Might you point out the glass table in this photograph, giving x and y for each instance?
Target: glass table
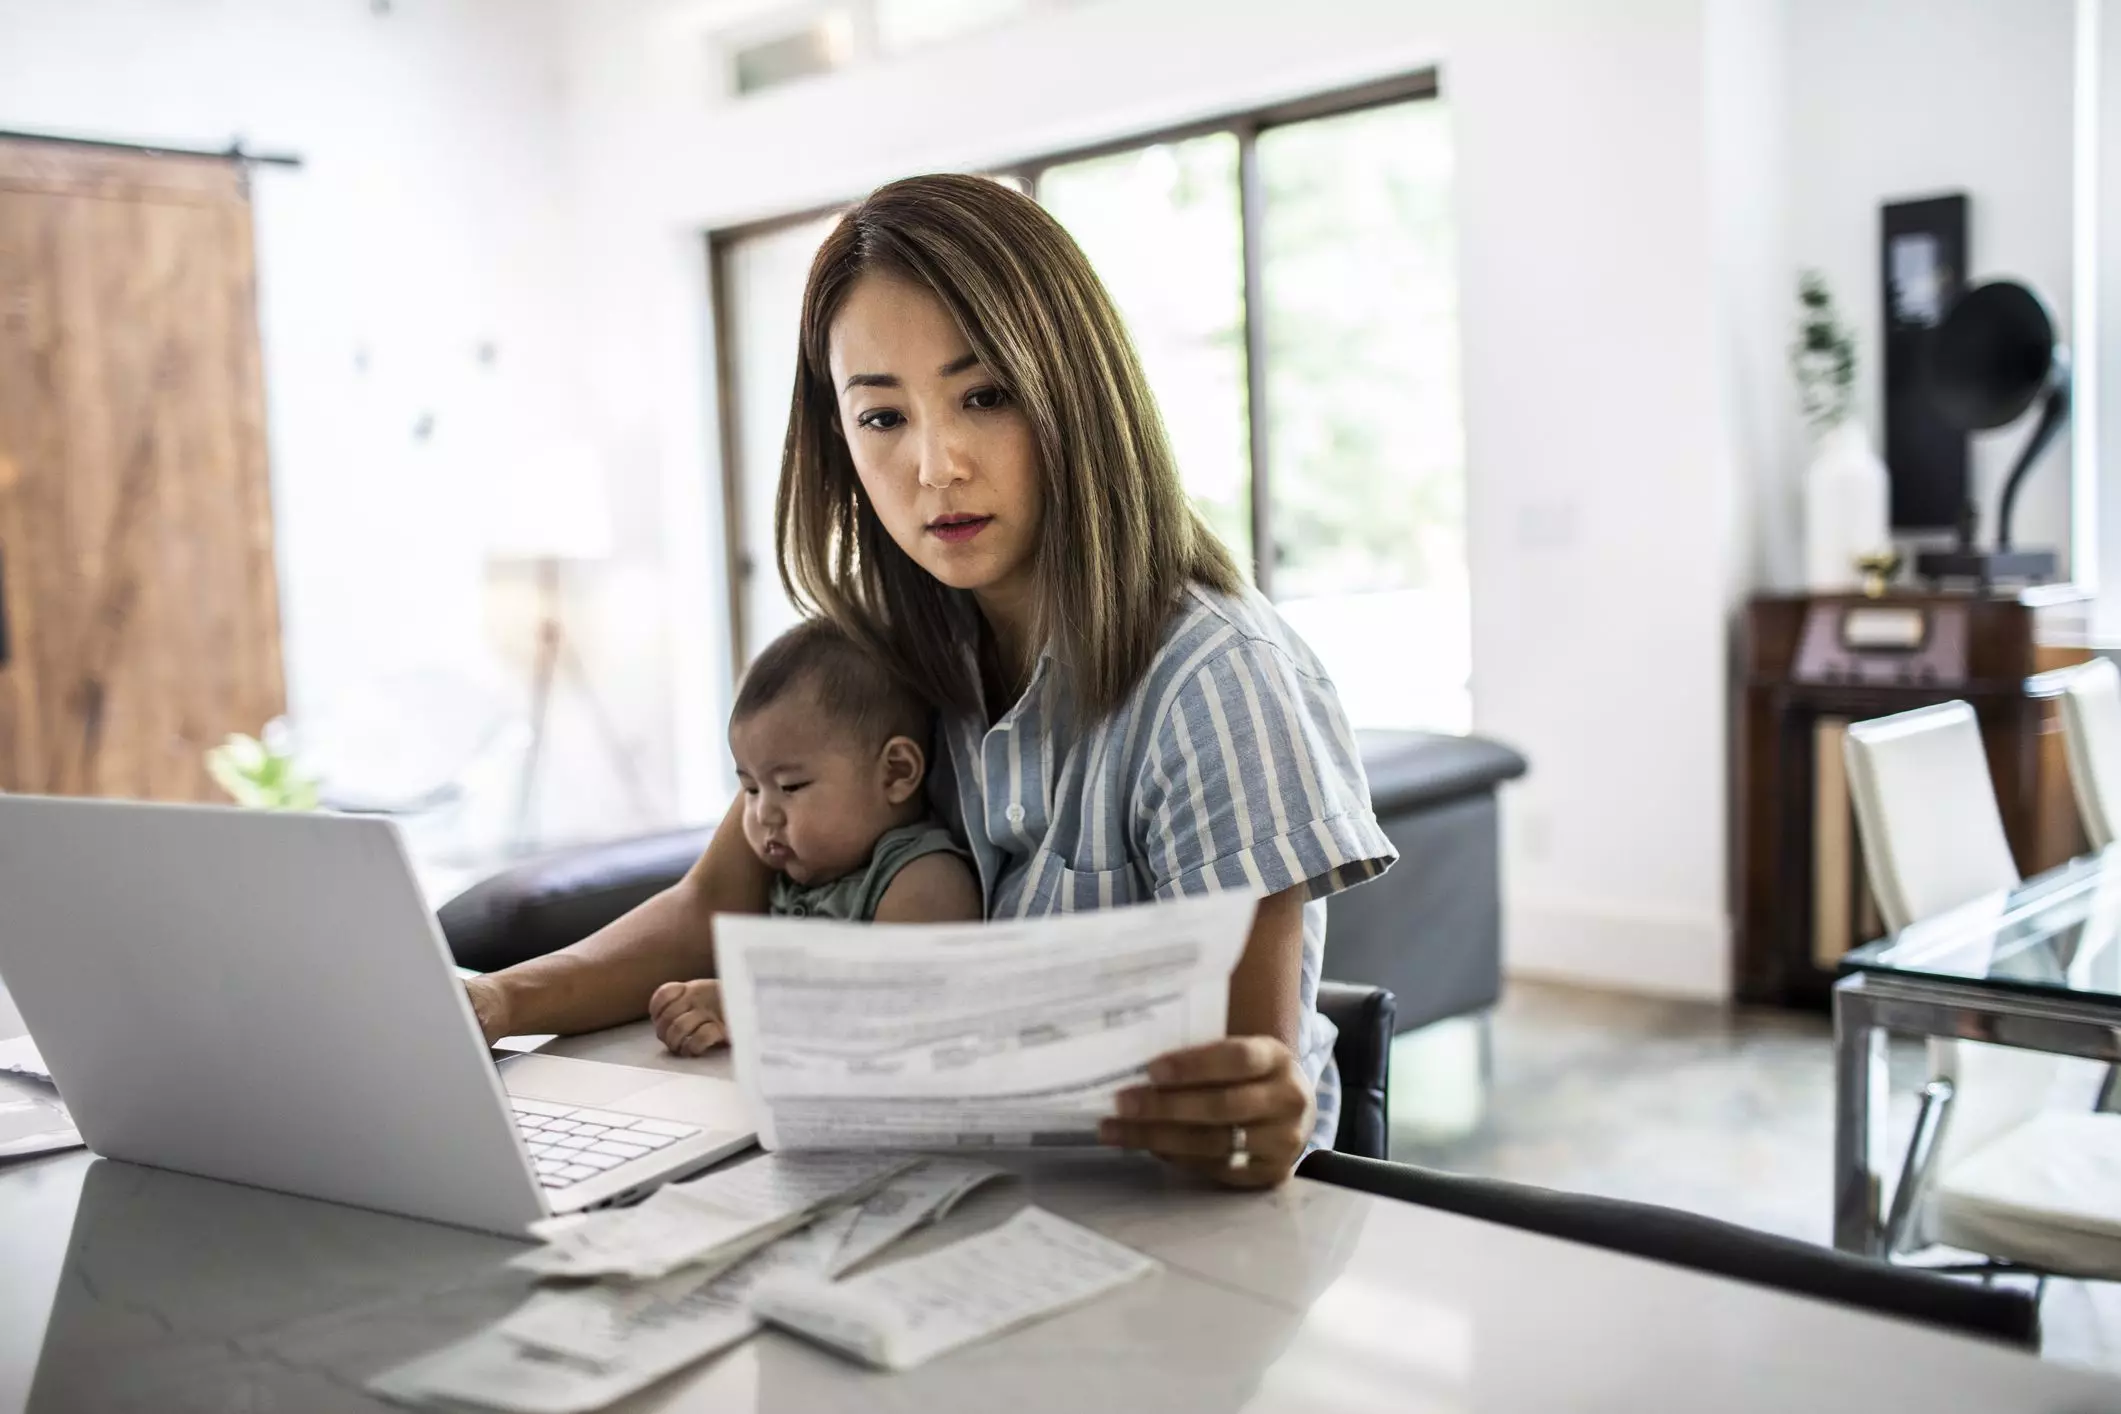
(2037, 967)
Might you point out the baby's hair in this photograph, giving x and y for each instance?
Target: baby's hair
(857, 692)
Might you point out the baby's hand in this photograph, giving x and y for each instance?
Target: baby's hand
(688, 1016)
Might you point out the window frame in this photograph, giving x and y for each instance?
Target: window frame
(1245, 125)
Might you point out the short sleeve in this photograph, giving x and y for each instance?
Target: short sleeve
(1252, 781)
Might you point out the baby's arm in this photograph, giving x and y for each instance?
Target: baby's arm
(936, 888)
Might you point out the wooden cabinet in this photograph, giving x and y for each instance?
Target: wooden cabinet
(1810, 665)
(139, 592)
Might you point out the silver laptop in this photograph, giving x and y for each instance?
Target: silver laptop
(266, 998)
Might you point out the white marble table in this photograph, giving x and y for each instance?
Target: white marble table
(125, 1288)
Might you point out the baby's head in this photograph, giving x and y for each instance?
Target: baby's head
(831, 751)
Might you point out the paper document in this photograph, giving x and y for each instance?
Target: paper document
(581, 1348)
(34, 1124)
(912, 1200)
(856, 1036)
(719, 1217)
(18, 1056)
(565, 1352)
(907, 1313)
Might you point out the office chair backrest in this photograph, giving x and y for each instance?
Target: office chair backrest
(1933, 841)
(2091, 731)
(1926, 811)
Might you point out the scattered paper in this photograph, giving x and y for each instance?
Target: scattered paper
(850, 1036)
(711, 1220)
(32, 1124)
(491, 1371)
(18, 1056)
(568, 1351)
(579, 1348)
(613, 1325)
(912, 1200)
(906, 1314)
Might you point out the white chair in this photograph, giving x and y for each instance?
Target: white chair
(2091, 730)
(1995, 1168)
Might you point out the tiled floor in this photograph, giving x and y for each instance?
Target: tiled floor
(1681, 1103)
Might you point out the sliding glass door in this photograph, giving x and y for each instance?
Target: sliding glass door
(1347, 331)
(1157, 222)
(1366, 461)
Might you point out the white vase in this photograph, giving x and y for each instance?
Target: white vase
(1847, 504)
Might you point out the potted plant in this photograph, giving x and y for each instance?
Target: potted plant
(1846, 493)
(262, 775)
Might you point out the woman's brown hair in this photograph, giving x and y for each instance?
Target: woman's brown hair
(1119, 540)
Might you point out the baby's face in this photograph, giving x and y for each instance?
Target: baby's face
(815, 801)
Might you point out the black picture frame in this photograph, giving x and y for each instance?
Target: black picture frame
(1922, 265)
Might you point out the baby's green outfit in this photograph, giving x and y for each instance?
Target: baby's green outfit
(854, 897)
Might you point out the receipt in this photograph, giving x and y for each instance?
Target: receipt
(617, 1325)
(32, 1124)
(902, 1315)
(579, 1348)
(491, 1371)
(855, 1036)
(18, 1056)
(912, 1200)
(710, 1220)
(567, 1351)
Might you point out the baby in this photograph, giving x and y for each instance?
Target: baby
(831, 751)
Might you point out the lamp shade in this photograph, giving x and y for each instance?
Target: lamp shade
(551, 503)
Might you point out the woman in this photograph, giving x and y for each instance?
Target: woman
(977, 486)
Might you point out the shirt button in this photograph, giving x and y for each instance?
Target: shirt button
(796, 910)
(1014, 814)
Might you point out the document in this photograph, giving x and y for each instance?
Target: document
(912, 1200)
(18, 1056)
(907, 1313)
(614, 1325)
(581, 1348)
(34, 1124)
(568, 1351)
(717, 1218)
(858, 1036)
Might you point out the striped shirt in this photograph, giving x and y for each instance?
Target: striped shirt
(1230, 766)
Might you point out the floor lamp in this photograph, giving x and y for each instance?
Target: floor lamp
(557, 514)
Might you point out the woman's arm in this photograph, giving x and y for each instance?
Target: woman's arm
(1196, 1098)
(607, 978)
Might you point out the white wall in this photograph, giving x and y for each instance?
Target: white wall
(1906, 98)
(1604, 484)
(427, 219)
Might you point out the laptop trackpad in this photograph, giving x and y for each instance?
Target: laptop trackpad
(707, 1101)
(559, 1081)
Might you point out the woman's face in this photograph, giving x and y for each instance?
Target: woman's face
(948, 458)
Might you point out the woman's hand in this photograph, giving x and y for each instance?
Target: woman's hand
(1197, 1099)
(688, 1016)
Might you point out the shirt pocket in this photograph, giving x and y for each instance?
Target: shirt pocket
(1051, 886)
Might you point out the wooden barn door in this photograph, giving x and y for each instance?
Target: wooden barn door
(139, 612)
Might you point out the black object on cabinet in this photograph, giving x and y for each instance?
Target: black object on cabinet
(1922, 254)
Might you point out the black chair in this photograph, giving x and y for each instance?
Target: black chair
(1701, 1244)
(1364, 1054)
(544, 904)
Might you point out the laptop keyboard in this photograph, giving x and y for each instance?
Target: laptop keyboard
(568, 1145)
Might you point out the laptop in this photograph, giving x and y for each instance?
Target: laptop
(266, 998)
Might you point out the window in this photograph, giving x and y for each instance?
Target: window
(1159, 223)
(1366, 463)
(760, 283)
(1289, 281)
